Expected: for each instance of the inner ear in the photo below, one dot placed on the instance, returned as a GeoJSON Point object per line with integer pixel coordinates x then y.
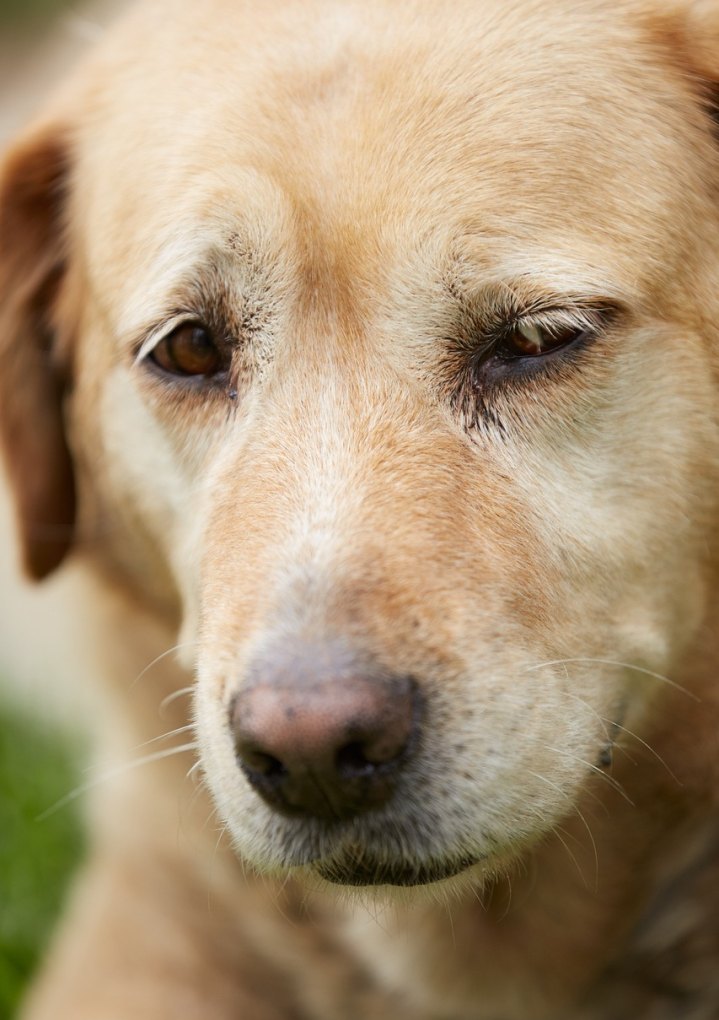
{"type": "Point", "coordinates": [33, 258]}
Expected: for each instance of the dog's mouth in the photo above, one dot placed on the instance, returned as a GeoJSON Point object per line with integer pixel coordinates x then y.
{"type": "Point", "coordinates": [362, 870]}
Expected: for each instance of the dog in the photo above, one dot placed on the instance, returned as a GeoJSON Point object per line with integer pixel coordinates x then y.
{"type": "Point", "coordinates": [362, 362]}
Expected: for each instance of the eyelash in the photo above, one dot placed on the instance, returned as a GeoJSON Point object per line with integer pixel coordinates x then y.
{"type": "Point", "coordinates": [567, 331]}
{"type": "Point", "coordinates": [483, 369]}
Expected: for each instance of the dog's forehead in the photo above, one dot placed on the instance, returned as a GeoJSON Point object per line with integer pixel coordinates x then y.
{"type": "Point", "coordinates": [519, 119]}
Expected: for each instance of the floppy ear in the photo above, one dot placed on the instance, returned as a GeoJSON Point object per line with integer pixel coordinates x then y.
{"type": "Point", "coordinates": [701, 38]}
{"type": "Point", "coordinates": [689, 31]}
{"type": "Point", "coordinates": [32, 381]}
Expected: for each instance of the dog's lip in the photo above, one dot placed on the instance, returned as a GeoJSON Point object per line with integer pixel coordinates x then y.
{"type": "Point", "coordinates": [351, 870]}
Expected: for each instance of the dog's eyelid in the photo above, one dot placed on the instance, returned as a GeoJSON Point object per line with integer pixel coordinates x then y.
{"type": "Point", "coordinates": [505, 302]}
{"type": "Point", "coordinates": [588, 314]}
{"type": "Point", "coordinates": [158, 333]}
{"type": "Point", "coordinates": [551, 302]}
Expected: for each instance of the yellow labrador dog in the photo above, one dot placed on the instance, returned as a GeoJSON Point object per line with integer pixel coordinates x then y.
{"type": "Point", "coordinates": [365, 356]}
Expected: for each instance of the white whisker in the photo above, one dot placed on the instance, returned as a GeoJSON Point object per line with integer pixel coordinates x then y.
{"type": "Point", "coordinates": [276, 891]}
{"type": "Point", "coordinates": [556, 832]}
{"type": "Point", "coordinates": [651, 750]}
{"type": "Point", "coordinates": [114, 773]}
{"type": "Point", "coordinates": [152, 740]}
{"type": "Point", "coordinates": [622, 665]}
{"type": "Point", "coordinates": [586, 826]}
{"type": "Point", "coordinates": [220, 837]}
{"type": "Point", "coordinates": [159, 658]}
{"type": "Point", "coordinates": [181, 693]}
{"type": "Point", "coordinates": [194, 797]}
{"type": "Point", "coordinates": [590, 708]}
{"type": "Point", "coordinates": [594, 768]}
{"type": "Point", "coordinates": [165, 736]}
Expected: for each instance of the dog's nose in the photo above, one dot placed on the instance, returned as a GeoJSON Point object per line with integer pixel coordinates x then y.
{"type": "Point", "coordinates": [319, 737]}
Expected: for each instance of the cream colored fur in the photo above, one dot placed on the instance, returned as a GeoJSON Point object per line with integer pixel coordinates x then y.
{"type": "Point", "coordinates": [359, 186]}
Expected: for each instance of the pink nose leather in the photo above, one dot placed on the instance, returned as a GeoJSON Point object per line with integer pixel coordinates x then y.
{"type": "Point", "coordinates": [317, 735]}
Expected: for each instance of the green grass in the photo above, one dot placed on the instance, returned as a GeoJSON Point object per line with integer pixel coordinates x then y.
{"type": "Point", "coordinates": [37, 857]}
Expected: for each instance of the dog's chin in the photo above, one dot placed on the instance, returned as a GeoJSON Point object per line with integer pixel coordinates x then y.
{"type": "Point", "coordinates": [366, 872]}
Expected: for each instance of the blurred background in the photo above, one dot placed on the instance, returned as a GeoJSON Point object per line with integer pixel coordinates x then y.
{"type": "Point", "coordinates": [41, 752]}
{"type": "Point", "coordinates": [37, 854]}
{"type": "Point", "coordinates": [39, 39]}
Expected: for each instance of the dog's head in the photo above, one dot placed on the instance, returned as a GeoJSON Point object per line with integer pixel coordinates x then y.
{"type": "Point", "coordinates": [384, 339]}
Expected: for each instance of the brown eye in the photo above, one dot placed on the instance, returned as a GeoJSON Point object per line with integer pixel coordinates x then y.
{"type": "Point", "coordinates": [527, 340]}
{"type": "Point", "coordinates": [189, 350]}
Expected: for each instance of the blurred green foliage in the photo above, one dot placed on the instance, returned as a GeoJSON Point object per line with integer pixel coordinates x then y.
{"type": "Point", "coordinates": [37, 857]}
{"type": "Point", "coordinates": [20, 10]}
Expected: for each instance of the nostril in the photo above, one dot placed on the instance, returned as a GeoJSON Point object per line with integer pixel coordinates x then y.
{"type": "Point", "coordinates": [351, 760]}
{"type": "Point", "coordinates": [269, 766]}
{"type": "Point", "coordinates": [323, 739]}
{"type": "Point", "coordinates": [260, 762]}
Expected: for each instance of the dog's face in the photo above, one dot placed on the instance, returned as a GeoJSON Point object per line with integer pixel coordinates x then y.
{"type": "Point", "coordinates": [391, 332]}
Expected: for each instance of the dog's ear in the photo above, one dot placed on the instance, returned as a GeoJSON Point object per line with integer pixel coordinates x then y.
{"type": "Point", "coordinates": [33, 381]}
{"type": "Point", "coordinates": [701, 38]}
{"type": "Point", "coordinates": [689, 31]}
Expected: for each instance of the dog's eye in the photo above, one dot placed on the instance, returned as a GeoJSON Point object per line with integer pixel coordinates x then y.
{"type": "Point", "coordinates": [533, 343]}
{"type": "Point", "coordinates": [189, 350]}
{"type": "Point", "coordinates": [532, 340]}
